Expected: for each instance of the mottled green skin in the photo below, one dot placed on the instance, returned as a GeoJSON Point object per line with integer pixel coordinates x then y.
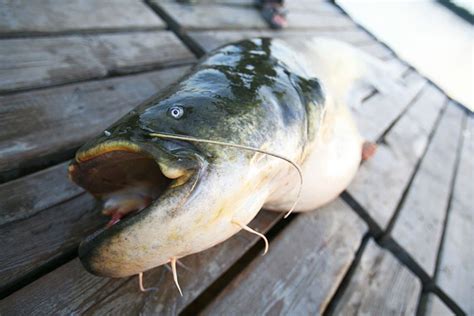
{"type": "Point", "coordinates": [240, 93]}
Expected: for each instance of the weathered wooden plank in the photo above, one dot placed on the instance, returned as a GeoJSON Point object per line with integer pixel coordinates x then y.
{"type": "Point", "coordinates": [393, 104]}
{"type": "Point", "coordinates": [421, 218]}
{"type": "Point", "coordinates": [213, 16]}
{"type": "Point", "coordinates": [210, 40]}
{"type": "Point", "coordinates": [353, 36]}
{"type": "Point", "coordinates": [396, 159]}
{"type": "Point", "coordinates": [315, 20]}
{"type": "Point", "coordinates": [125, 53]}
{"type": "Point", "coordinates": [31, 120]}
{"type": "Point", "coordinates": [454, 274]}
{"type": "Point", "coordinates": [240, 3]}
{"type": "Point", "coordinates": [52, 16]}
{"type": "Point", "coordinates": [303, 269]}
{"type": "Point", "coordinates": [45, 237]}
{"type": "Point", "coordinates": [53, 292]}
{"type": "Point", "coordinates": [318, 6]}
{"type": "Point", "coordinates": [72, 290]}
{"type": "Point", "coordinates": [207, 16]}
{"type": "Point", "coordinates": [436, 307]}
{"type": "Point", "coordinates": [380, 285]}
{"type": "Point", "coordinates": [27, 196]}
{"type": "Point", "coordinates": [29, 63]}
{"type": "Point", "coordinates": [378, 50]}
{"type": "Point", "coordinates": [39, 62]}
{"type": "Point", "coordinates": [397, 68]}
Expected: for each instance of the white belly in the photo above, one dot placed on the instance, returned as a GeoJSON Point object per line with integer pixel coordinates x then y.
{"type": "Point", "coordinates": [328, 169]}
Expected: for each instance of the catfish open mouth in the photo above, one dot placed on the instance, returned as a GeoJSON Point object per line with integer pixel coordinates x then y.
{"type": "Point", "coordinates": [125, 178]}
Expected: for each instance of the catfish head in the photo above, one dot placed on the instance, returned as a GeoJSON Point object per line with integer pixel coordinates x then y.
{"type": "Point", "coordinates": [166, 198]}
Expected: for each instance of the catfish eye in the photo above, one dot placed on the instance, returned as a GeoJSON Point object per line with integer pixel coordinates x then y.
{"type": "Point", "coordinates": [176, 112]}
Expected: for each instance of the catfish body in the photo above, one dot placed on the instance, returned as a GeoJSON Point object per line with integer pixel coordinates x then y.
{"type": "Point", "coordinates": [170, 198]}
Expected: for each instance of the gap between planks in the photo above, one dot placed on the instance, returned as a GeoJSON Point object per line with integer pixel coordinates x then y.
{"type": "Point", "coordinates": [462, 142]}
{"type": "Point", "coordinates": [110, 75]}
{"type": "Point", "coordinates": [187, 34]}
{"type": "Point", "coordinates": [314, 252]}
{"type": "Point", "coordinates": [385, 241]}
{"type": "Point", "coordinates": [78, 33]}
{"type": "Point", "coordinates": [350, 272]}
{"type": "Point", "coordinates": [455, 267]}
{"type": "Point", "coordinates": [46, 62]}
{"type": "Point", "coordinates": [52, 17]}
{"type": "Point", "coordinates": [401, 202]}
{"type": "Point", "coordinates": [207, 296]}
{"type": "Point", "coordinates": [174, 26]}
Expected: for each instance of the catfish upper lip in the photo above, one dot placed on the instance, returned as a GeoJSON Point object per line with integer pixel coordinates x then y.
{"type": "Point", "coordinates": [102, 148]}
{"type": "Point", "coordinates": [161, 157]}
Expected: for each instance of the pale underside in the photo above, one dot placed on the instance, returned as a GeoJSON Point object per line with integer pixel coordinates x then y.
{"type": "Point", "coordinates": [335, 155]}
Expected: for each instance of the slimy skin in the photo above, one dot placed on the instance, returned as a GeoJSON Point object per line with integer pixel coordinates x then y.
{"type": "Point", "coordinates": [258, 93]}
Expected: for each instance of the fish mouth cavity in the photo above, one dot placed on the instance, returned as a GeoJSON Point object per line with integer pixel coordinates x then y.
{"type": "Point", "coordinates": [127, 177]}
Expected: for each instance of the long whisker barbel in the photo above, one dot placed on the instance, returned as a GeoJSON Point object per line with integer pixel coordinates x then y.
{"type": "Point", "coordinates": [216, 142]}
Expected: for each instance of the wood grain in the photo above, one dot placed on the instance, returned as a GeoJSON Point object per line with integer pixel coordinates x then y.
{"type": "Point", "coordinates": [54, 16]}
{"type": "Point", "coordinates": [31, 63]}
{"type": "Point", "coordinates": [32, 243]}
{"type": "Point", "coordinates": [454, 274]}
{"type": "Point", "coordinates": [314, 20]}
{"type": "Point", "coordinates": [436, 307]}
{"type": "Point", "coordinates": [213, 16]}
{"type": "Point", "coordinates": [317, 7]}
{"type": "Point", "coordinates": [27, 196]}
{"type": "Point", "coordinates": [380, 285]}
{"type": "Point", "coordinates": [231, 3]}
{"type": "Point", "coordinates": [73, 290]}
{"type": "Point", "coordinates": [393, 104]}
{"type": "Point", "coordinates": [421, 218]}
{"type": "Point", "coordinates": [31, 120]}
{"type": "Point", "coordinates": [395, 160]}
{"type": "Point", "coordinates": [303, 269]}
{"type": "Point", "coordinates": [40, 62]}
{"type": "Point", "coordinates": [125, 53]}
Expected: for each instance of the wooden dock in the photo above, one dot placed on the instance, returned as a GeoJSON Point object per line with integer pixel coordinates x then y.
{"type": "Point", "coordinates": [397, 242]}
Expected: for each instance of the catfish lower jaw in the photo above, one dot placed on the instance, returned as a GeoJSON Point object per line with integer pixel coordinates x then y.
{"type": "Point", "coordinates": [109, 252]}
{"type": "Point", "coordinates": [127, 178]}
